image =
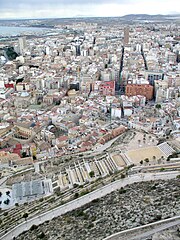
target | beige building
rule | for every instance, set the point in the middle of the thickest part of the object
(12, 159)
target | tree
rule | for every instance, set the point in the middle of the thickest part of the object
(24, 154)
(41, 235)
(5, 214)
(25, 215)
(57, 102)
(7, 201)
(91, 174)
(141, 162)
(146, 160)
(123, 175)
(122, 190)
(158, 106)
(8, 193)
(33, 227)
(76, 195)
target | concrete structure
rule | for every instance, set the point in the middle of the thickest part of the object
(25, 191)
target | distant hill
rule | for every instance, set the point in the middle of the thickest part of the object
(132, 17)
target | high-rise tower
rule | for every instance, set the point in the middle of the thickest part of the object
(126, 35)
(22, 45)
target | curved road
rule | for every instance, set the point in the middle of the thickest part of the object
(86, 199)
(142, 232)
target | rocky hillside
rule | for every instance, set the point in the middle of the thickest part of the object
(169, 234)
(135, 205)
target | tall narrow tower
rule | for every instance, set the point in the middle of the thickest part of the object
(22, 45)
(126, 35)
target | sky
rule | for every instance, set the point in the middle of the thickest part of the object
(91, 8)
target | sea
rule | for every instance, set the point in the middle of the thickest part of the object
(7, 31)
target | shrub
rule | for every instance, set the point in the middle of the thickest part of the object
(33, 227)
(79, 213)
(123, 175)
(41, 235)
(76, 195)
(5, 213)
(91, 225)
(95, 200)
(91, 174)
(7, 201)
(25, 215)
(75, 185)
(122, 190)
(84, 192)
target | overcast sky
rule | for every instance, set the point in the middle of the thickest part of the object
(70, 8)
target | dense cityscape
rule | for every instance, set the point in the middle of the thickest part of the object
(90, 128)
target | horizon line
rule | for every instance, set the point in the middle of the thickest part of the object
(46, 18)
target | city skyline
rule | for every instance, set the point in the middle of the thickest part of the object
(101, 8)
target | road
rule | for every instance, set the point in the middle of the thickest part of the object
(142, 232)
(87, 199)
